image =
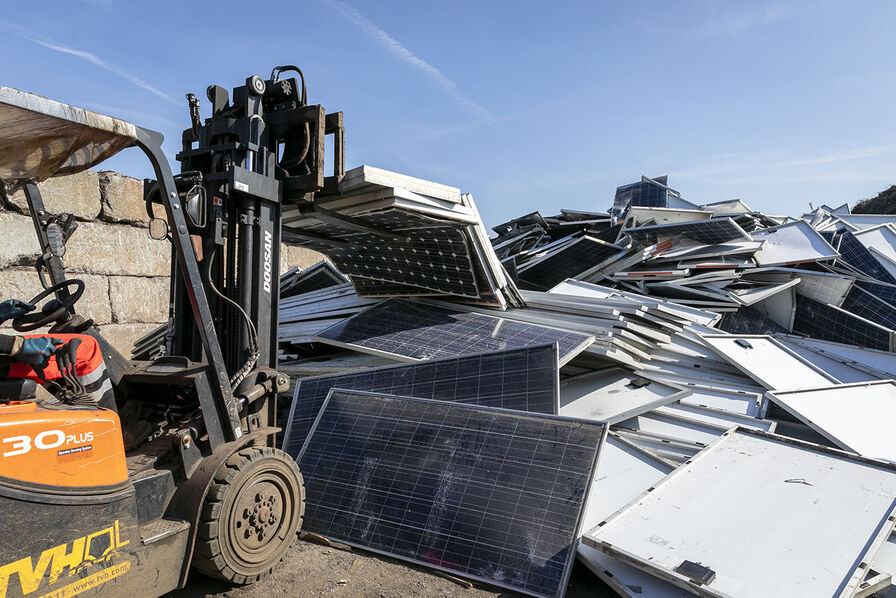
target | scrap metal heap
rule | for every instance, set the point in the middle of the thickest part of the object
(688, 399)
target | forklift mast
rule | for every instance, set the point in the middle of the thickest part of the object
(257, 150)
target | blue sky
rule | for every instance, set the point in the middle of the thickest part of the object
(527, 105)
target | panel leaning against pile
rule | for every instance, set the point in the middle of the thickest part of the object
(688, 399)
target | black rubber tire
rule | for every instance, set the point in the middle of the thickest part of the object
(228, 546)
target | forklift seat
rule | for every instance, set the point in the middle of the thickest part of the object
(21, 389)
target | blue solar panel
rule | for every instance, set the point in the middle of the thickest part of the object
(857, 255)
(522, 379)
(864, 304)
(423, 331)
(829, 323)
(491, 494)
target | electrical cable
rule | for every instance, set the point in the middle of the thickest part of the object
(241, 373)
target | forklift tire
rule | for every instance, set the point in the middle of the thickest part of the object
(251, 516)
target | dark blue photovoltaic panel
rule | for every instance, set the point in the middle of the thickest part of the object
(522, 379)
(748, 320)
(881, 291)
(642, 194)
(857, 255)
(829, 323)
(709, 232)
(490, 494)
(424, 331)
(579, 256)
(864, 304)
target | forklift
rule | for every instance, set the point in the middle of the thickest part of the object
(205, 487)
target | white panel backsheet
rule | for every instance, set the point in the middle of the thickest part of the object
(767, 362)
(613, 395)
(797, 520)
(858, 417)
(792, 243)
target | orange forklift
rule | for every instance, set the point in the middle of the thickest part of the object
(201, 483)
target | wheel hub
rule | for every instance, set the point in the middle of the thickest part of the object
(260, 513)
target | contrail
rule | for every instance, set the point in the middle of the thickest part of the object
(92, 59)
(397, 48)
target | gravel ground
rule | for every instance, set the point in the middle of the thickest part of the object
(314, 571)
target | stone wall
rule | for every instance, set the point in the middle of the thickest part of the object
(125, 271)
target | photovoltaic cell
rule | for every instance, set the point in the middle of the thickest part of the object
(710, 232)
(436, 259)
(643, 193)
(748, 320)
(423, 331)
(829, 323)
(864, 304)
(490, 494)
(881, 291)
(522, 379)
(319, 276)
(581, 255)
(857, 255)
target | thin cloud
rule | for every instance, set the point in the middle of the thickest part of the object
(92, 59)
(398, 49)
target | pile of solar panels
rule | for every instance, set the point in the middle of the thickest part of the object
(392, 234)
(615, 423)
(827, 274)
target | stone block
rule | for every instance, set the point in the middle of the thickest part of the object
(94, 303)
(122, 198)
(291, 256)
(76, 194)
(139, 299)
(123, 336)
(18, 242)
(102, 248)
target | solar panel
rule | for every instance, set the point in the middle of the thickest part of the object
(645, 193)
(710, 232)
(748, 320)
(319, 276)
(581, 255)
(857, 255)
(522, 379)
(436, 258)
(881, 291)
(864, 304)
(490, 494)
(827, 322)
(400, 327)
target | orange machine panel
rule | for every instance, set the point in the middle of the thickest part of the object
(69, 448)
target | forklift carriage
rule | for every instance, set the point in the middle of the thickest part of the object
(207, 487)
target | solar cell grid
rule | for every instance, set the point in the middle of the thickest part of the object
(827, 322)
(857, 255)
(489, 494)
(522, 379)
(710, 232)
(583, 254)
(437, 259)
(423, 331)
(864, 304)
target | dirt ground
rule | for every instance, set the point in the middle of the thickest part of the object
(315, 571)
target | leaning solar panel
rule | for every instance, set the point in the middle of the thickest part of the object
(490, 494)
(748, 320)
(864, 304)
(645, 193)
(857, 255)
(885, 292)
(709, 232)
(319, 276)
(580, 256)
(414, 330)
(522, 379)
(437, 259)
(830, 323)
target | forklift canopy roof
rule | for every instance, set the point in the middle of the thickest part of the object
(40, 138)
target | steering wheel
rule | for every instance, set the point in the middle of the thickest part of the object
(53, 309)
